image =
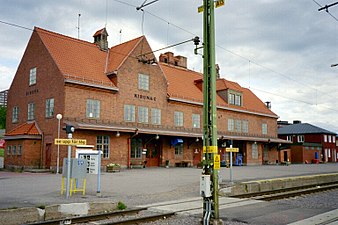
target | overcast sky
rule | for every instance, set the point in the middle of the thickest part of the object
(281, 49)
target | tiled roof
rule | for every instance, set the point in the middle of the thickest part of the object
(302, 128)
(182, 85)
(82, 59)
(29, 128)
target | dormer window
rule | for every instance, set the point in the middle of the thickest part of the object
(234, 98)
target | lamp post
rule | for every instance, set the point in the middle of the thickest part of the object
(58, 117)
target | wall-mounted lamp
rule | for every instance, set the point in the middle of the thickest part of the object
(255, 142)
(157, 137)
(197, 139)
(117, 134)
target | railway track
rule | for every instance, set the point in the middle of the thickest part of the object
(131, 216)
(289, 192)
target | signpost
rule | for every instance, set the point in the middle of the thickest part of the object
(231, 150)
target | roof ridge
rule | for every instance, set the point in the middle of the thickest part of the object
(63, 36)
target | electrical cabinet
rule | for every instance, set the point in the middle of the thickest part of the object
(205, 186)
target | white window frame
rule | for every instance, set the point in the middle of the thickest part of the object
(264, 128)
(300, 138)
(9, 150)
(156, 116)
(196, 120)
(245, 126)
(143, 114)
(254, 151)
(238, 100)
(325, 138)
(143, 82)
(129, 113)
(32, 76)
(178, 119)
(49, 107)
(329, 138)
(231, 98)
(93, 108)
(15, 114)
(231, 125)
(31, 111)
(238, 126)
(19, 149)
(289, 137)
(179, 149)
(334, 139)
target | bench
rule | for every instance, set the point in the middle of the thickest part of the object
(183, 164)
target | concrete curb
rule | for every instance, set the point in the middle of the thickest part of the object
(32, 214)
(276, 184)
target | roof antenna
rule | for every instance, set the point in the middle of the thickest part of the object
(78, 26)
(120, 36)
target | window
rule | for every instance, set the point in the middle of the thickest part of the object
(245, 126)
(49, 107)
(179, 149)
(231, 99)
(334, 139)
(142, 114)
(325, 138)
(238, 100)
(32, 76)
(254, 152)
(178, 118)
(156, 116)
(102, 144)
(9, 150)
(15, 114)
(289, 138)
(329, 138)
(93, 108)
(235, 98)
(300, 138)
(143, 82)
(129, 113)
(264, 128)
(136, 148)
(238, 126)
(19, 149)
(31, 111)
(231, 125)
(14, 150)
(196, 120)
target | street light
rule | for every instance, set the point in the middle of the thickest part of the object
(58, 117)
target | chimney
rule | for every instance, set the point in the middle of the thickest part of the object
(297, 122)
(170, 59)
(101, 39)
(268, 105)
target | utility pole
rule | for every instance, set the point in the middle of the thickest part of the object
(209, 179)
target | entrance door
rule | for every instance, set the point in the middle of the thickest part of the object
(48, 155)
(153, 154)
(285, 156)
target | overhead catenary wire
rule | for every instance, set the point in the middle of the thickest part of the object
(187, 31)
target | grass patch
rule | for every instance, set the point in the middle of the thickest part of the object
(121, 206)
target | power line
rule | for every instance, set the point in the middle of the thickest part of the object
(326, 7)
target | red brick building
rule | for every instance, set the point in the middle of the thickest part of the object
(309, 143)
(125, 103)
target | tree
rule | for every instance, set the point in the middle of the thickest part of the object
(3, 110)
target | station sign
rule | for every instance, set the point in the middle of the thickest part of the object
(232, 149)
(218, 3)
(70, 141)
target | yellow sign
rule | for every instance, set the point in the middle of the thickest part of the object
(210, 149)
(217, 162)
(232, 149)
(218, 3)
(70, 142)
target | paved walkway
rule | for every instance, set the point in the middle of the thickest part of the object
(136, 186)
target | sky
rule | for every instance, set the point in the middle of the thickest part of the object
(281, 50)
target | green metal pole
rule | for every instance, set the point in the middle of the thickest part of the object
(209, 106)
